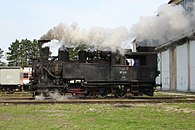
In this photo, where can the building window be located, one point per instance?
(25, 75)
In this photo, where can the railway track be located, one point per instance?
(7, 101)
(109, 97)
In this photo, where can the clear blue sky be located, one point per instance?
(20, 19)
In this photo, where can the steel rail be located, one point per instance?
(97, 101)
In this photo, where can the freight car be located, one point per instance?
(14, 79)
(11, 79)
(96, 73)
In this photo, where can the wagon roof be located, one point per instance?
(10, 67)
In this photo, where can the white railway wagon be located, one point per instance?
(11, 78)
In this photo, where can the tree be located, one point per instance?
(73, 52)
(21, 52)
(1, 56)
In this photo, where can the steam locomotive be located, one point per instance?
(95, 73)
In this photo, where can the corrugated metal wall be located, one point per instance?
(165, 72)
(177, 66)
(182, 68)
(192, 66)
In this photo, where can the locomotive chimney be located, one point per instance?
(44, 52)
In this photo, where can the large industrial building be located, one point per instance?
(177, 64)
(177, 58)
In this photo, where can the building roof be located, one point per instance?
(177, 41)
(174, 1)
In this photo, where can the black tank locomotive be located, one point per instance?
(96, 73)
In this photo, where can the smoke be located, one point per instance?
(53, 96)
(56, 96)
(97, 37)
(102, 38)
(40, 97)
(53, 45)
(171, 21)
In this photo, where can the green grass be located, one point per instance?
(97, 117)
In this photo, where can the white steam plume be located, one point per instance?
(171, 21)
(53, 45)
(40, 97)
(98, 37)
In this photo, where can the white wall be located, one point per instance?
(182, 68)
(165, 72)
(185, 68)
(192, 66)
(158, 79)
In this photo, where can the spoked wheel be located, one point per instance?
(101, 93)
(88, 93)
(120, 93)
(10, 91)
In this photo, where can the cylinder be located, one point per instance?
(63, 55)
(82, 56)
